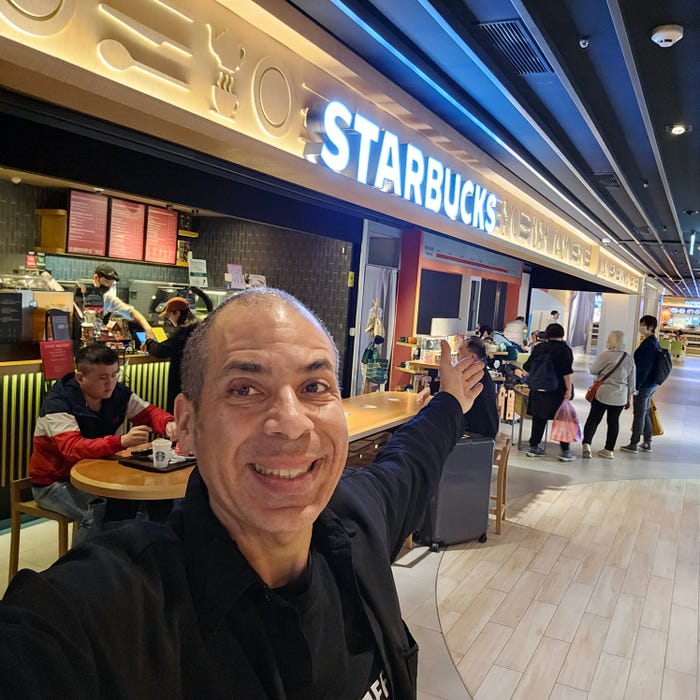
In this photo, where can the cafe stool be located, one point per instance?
(501, 452)
(29, 507)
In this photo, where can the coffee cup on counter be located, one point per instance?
(162, 453)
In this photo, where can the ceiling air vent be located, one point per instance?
(607, 180)
(516, 45)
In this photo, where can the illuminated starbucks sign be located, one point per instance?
(356, 146)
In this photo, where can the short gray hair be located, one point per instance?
(615, 341)
(196, 350)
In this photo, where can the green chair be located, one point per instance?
(665, 343)
(676, 350)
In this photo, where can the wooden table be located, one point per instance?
(106, 477)
(365, 414)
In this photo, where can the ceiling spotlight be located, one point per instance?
(606, 240)
(15, 180)
(169, 207)
(584, 42)
(678, 129)
(645, 184)
(690, 212)
(98, 190)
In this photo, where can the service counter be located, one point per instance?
(22, 389)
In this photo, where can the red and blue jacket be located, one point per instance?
(68, 430)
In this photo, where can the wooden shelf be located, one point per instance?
(406, 345)
(409, 370)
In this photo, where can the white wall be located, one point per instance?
(541, 305)
(620, 312)
(522, 296)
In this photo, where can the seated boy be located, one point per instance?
(83, 417)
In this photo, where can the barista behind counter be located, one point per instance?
(104, 278)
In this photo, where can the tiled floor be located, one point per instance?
(591, 590)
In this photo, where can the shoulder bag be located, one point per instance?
(593, 388)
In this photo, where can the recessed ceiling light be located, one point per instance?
(606, 241)
(679, 129)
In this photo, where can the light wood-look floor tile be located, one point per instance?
(593, 594)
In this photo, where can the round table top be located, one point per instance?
(106, 477)
(365, 414)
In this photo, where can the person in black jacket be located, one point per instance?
(543, 405)
(482, 418)
(177, 312)
(645, 358)
(273, 579)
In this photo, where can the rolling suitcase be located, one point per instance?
(459, 511)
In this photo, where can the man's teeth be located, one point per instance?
(282, 473)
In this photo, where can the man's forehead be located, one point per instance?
(251, 328)
(101, 369)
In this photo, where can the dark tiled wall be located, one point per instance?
(19, 225)
(312, 268)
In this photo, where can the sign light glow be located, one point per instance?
(355, 146)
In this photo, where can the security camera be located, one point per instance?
(583, 42)
(667, 35)
(169, 207)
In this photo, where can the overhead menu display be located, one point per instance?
(126, 229)
(87, 224)
(161, 235)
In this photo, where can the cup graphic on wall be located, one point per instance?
(162, 452)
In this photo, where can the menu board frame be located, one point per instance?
(155, 237)
(95, 234)
(138, 245)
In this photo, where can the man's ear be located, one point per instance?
(185, 418)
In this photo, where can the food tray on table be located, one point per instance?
(146, 463)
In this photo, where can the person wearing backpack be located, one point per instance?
(645, 360)
(549, 368)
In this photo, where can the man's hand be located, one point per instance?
(422, 397)
(171, 430)
(136, 436)
(462, 379)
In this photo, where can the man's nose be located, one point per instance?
(288, 416)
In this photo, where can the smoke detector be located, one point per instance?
(667, 35)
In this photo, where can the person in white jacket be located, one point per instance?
(614, 394)
(516, 332)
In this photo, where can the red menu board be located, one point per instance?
(87, 224)
(126, 229)
(161, 235)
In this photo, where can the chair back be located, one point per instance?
(676, 347)
(501, 451)
(665, 343)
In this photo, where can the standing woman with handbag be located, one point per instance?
(615, 377)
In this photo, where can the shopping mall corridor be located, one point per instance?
(591, 590)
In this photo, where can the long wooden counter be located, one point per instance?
(27, 366)
(365, 414)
